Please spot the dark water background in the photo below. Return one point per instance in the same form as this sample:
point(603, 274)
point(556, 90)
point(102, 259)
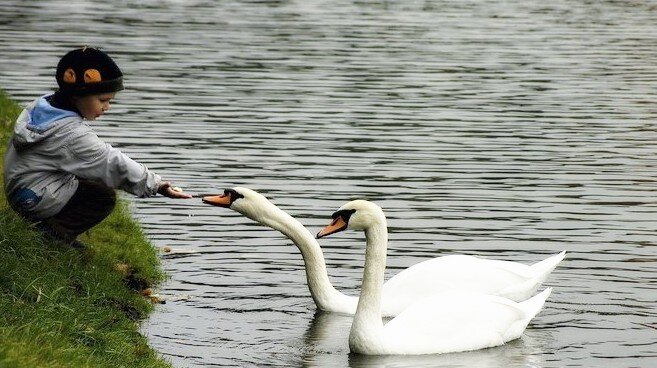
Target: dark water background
point(506, 129)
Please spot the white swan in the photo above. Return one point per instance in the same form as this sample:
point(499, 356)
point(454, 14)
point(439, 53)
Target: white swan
point(441, 323)
point(455, 272)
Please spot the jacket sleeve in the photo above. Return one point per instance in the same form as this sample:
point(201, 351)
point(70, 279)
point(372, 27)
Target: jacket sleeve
point(90, 158)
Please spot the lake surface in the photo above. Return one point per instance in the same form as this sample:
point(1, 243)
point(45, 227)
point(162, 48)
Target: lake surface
point(505, 129)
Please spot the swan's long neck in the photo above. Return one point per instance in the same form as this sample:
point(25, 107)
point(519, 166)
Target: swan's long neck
point(367, 321)
point(318, 282)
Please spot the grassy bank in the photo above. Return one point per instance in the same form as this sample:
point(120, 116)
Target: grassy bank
point(64, 307)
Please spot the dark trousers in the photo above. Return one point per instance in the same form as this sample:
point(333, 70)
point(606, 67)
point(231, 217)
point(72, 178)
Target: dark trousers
point(91, 204)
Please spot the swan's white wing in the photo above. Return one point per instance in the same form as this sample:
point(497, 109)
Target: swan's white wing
point(454, 272)
point(453, 321)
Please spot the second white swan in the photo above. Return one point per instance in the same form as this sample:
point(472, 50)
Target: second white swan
point(441, 323)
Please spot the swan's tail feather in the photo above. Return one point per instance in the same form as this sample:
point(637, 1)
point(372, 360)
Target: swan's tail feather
point(538, 273)
point(530, 307)
point(534, 304)
point(543, 268)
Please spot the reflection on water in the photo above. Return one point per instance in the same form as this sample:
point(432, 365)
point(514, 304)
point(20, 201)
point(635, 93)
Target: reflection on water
point(326, 345)
point(326, 340)
point(505, 129)
point(517, 353)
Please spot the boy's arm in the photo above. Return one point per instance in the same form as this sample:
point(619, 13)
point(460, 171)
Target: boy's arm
point(91, 158)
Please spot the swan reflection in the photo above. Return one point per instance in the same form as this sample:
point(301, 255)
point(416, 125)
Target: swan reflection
point(327, 345)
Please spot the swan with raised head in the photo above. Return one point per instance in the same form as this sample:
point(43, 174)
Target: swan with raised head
point(441, 323)
point(454, 272)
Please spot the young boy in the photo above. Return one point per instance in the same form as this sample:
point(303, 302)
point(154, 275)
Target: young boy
point(58, 173)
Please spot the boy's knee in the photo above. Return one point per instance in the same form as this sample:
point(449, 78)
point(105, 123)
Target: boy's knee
point(109, 195)
point(99, 191)
point(108, 200)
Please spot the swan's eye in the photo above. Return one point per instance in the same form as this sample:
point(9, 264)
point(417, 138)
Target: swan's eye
point(344, 214)
point(233, 194)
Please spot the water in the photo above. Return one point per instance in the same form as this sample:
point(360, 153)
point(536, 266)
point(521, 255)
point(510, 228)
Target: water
point(510, 129)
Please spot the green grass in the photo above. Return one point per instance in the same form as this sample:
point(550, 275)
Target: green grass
point(64, 307)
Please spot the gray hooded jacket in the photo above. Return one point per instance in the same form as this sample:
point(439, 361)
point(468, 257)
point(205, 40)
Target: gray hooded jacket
point(51, 148)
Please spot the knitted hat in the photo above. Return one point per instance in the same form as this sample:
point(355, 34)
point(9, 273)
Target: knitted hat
point(88, 71)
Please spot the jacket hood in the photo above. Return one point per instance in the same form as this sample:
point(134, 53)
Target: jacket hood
point(37, 121)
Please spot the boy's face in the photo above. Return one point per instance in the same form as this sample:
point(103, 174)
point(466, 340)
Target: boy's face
point(94, 106)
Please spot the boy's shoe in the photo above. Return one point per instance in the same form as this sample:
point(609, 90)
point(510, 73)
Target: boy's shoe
point(47, 231)
point(78, 244)
point(51, 234)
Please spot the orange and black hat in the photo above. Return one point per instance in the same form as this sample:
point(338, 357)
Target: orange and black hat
point(88, 71)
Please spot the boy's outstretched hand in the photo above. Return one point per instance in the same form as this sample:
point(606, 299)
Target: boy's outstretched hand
point(172, 192)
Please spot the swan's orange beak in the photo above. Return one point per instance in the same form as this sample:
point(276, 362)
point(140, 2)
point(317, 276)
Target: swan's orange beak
point(218, 200)
point(337, 225)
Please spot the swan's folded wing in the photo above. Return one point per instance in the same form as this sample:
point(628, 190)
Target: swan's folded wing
point(454, 272)
point(454, 321)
